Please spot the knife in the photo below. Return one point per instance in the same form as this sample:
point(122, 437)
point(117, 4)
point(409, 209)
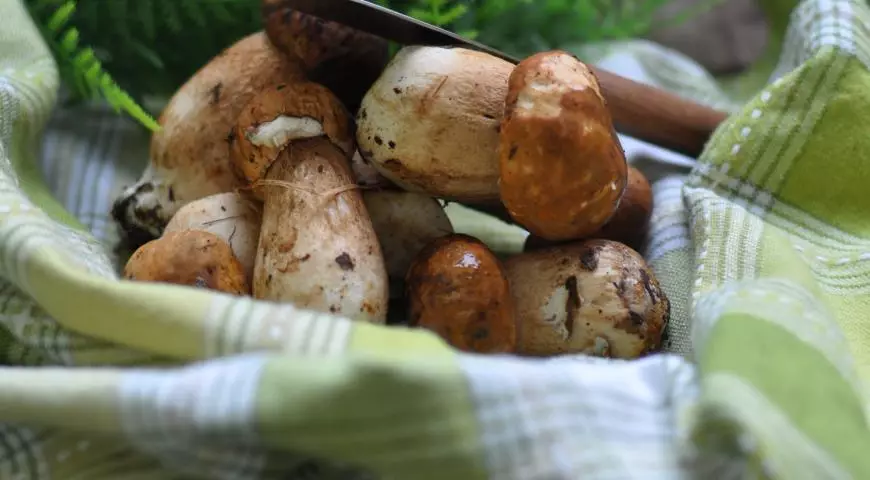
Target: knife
point(638, 110)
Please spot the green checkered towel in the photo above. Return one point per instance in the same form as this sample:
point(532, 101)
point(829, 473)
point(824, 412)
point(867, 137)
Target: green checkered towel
point(763, 246)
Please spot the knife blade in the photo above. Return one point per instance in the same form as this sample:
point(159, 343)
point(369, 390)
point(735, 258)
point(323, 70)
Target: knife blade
point(372, 18)
point(642, 111)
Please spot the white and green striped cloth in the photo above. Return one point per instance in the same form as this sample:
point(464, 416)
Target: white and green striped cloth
point(763, 246)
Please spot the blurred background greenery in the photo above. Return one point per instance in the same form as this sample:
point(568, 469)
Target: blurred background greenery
point(107, 49)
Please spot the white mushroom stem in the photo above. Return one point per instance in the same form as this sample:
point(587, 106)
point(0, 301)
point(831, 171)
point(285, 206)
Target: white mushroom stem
point(405, 222)
point(317, 246)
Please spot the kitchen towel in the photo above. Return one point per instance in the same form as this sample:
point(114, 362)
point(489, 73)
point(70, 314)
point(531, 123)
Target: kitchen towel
point(763, 245)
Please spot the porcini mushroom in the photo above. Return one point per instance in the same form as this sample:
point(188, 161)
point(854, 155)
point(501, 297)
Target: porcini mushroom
point(597, 297)
point(190, 154)
point(317, 246)
point(232, 216)
point(562, 168)
point(430, 122)
point(344, 60)
point(630, 222)
point(457, 288)
point(404, 222)
point(191, 257)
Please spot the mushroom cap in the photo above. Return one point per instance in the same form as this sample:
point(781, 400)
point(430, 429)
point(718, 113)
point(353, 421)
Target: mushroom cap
point(630, 222)
point(328, 50)
point(596, 297)
point(189, 155)
point(193, 257)
point(563, 169)
point(430, 122)
point(232, 216)
point(457, 288)
point(282, 114)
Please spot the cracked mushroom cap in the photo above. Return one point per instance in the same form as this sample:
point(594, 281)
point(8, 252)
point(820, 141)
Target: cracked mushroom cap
point(282, 114)
point(193, 257)
point(457, 288)
point(597, 297)
point(232, 216)
point(563, 169)
point(329, 51)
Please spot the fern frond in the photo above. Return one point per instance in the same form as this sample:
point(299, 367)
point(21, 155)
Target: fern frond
point(80, 68)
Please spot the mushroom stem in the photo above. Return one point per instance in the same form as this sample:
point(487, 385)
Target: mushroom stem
point(323, 236)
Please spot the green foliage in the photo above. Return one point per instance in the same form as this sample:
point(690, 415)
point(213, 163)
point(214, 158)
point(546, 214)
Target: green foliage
point(152, 46)
point(79, 66)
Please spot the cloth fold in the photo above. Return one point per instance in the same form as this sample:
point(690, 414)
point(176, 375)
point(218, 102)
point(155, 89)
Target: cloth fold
point(762, 246)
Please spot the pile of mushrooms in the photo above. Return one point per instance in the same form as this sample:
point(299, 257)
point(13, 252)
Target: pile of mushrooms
point(304, 165)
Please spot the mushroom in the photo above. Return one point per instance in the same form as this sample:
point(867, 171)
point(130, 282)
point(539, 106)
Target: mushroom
point(190, 153)
point(232, 216)
point(317, 246)
point(597, 297)
point(457, 288)
point(562, 168)
point(366, 175)
point(344, 60)
point(630, 222)
point(430, 122)
point(189, 257)
point(405, 222)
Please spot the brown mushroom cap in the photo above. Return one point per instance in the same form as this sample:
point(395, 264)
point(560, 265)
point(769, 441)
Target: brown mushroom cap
point(457, 288)
point(193, 257)
point(283, 114)
point(345, 60)
point(563, 170)
point(630, 222)
point(596, 297)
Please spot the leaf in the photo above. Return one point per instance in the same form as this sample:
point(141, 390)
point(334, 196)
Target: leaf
point(82, 71)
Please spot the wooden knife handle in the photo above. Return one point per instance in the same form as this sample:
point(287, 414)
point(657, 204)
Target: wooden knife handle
point(656, 116)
